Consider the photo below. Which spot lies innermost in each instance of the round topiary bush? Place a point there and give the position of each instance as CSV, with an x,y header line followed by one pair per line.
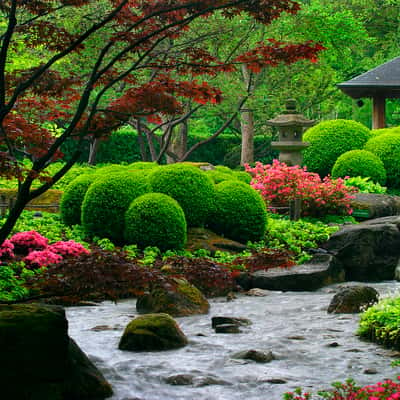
x,y
155,219
189,186
330,139
387,148
360,163
142,165
71,200
242,176
219,176
240,212
106,201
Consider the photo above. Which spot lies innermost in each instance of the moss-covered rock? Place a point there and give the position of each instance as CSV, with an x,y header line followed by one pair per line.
x,y
106,201
152,332
353,299
71,201
360,163
155,219
40,361
330,139
189,186
177,298
240,212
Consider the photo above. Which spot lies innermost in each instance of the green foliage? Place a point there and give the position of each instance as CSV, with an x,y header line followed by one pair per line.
x,y
364,185
240,212
107,200
242,176
330,139
387,148
155,219
360,163
71,201
297,236
218,176
189,186
11,284
380,323
140,165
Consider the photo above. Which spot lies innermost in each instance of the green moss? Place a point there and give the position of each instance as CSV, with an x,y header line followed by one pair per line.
x,y
360,163
106,201
71,201
142,165
190,187
387,148
330,139
155,219
240,212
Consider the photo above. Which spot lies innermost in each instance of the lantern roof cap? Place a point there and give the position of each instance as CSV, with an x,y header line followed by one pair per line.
x,y
290,117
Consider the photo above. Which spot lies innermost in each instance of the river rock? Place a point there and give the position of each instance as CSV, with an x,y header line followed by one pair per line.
x,y
322,269
227,328
256,292
215,321
152,332
376,205
255,355
180,380
40,361
178,299
353,299
368,251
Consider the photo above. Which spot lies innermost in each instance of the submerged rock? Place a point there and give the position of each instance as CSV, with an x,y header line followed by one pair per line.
x,y
39,359
152,332
353,299
255,355
179,299
215,321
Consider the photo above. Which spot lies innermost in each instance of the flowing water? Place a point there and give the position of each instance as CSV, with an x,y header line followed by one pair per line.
x,y
312,349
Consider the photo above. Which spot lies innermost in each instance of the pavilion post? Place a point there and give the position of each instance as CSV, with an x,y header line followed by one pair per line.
x,y
378,112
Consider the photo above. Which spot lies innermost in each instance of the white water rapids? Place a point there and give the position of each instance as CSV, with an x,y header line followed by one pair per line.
x,y
312,349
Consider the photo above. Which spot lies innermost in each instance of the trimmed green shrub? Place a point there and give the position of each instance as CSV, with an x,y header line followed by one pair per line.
x,y
330,139
106,201
242,176
155,219
71,201
189,186
360,163
218,176
365,185
111,169
240,212
387,148
142,165
224,169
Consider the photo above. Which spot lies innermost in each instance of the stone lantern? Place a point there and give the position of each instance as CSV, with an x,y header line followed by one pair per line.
x,y
290,126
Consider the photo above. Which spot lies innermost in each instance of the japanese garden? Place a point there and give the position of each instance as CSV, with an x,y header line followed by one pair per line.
x,y
199,199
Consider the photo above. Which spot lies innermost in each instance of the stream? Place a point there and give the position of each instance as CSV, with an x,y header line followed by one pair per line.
x,y
312,349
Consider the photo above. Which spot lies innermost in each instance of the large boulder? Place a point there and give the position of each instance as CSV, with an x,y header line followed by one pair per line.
x,y
177,298
375,205
368,251
39,360
152,332
321,270
353,299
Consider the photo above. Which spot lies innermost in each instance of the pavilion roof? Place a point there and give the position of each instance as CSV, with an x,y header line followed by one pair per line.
x,y
384,80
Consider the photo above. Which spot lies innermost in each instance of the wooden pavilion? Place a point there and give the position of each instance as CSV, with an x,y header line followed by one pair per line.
x,y
379,83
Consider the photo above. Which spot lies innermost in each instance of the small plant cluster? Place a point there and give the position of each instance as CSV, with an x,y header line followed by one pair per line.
x,y
279,183
380,323
365,185
386,390
36,251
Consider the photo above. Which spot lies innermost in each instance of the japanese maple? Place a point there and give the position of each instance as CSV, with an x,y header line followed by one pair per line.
x,y
126,73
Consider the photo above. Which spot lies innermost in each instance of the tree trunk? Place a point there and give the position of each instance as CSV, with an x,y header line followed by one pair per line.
x,y
178,144
247,123
247,127
94,146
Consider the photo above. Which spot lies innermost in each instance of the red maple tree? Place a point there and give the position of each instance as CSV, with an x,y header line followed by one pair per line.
x,y
129,35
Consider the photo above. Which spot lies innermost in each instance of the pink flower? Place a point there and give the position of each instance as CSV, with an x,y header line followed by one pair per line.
x,y
6,250
42,258
25,242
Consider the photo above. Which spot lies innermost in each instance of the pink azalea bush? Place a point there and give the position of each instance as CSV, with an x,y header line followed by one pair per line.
x,y
279,184
6,250
25,242
37,250
386,390
42,258
68,249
